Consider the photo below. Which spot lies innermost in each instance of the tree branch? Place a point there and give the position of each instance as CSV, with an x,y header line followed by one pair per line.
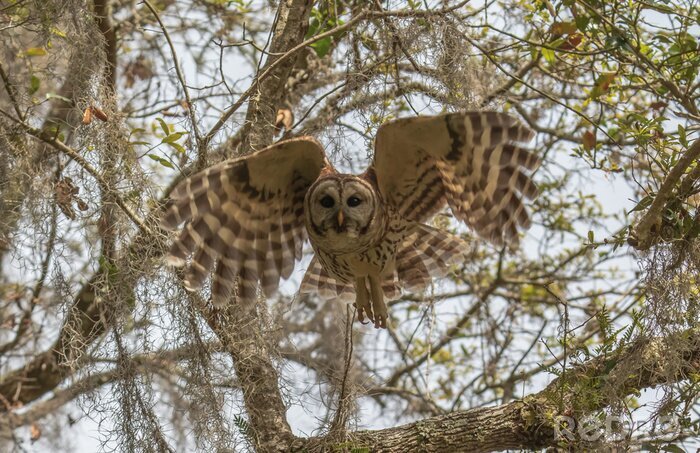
x,y
644,234
240,328
74,155
532,423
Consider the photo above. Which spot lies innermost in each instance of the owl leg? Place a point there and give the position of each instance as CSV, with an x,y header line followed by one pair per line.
x,y
378,305
362,301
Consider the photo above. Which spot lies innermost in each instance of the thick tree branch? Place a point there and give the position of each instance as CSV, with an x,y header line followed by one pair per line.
x,y
87,319
280,57
532,423
103,20
240,328
644,234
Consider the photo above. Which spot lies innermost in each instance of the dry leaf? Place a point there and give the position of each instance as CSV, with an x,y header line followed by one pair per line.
x,y
138,69
588,140
9,323
602,84
87,116
563,28
34,432
571,42
284,119
65,194
101,115
63,191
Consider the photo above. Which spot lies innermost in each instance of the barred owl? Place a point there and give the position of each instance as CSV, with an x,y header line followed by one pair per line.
x,y
249,216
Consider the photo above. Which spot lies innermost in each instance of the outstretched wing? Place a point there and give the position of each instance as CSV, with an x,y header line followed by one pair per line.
x,y
472,161
247,216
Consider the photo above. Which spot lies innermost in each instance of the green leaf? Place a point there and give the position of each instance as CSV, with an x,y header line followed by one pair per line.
x,y
34,84
643,204
164,126
108,265
136,130
321,47
160,160
682,138
321,22
313,25
602,84
172,138
58,96
590,236
177,147
242,425
58,32
556,43
582,22
548,55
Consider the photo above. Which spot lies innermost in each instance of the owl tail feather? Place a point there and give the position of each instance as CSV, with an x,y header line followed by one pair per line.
x,y
425,254
317,281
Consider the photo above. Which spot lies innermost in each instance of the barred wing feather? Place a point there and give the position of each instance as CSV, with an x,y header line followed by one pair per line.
x,y
246,216
472,161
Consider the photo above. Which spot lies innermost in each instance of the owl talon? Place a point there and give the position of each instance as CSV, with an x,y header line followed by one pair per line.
x,y
380,322
370,314
362,302
361,315
370,302
378,305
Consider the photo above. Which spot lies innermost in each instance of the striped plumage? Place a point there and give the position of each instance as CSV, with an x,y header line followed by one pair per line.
x,y
247,216
250,216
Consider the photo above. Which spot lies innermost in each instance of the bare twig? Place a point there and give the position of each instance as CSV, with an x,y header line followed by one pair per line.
x,y
364,14
339,422
201,148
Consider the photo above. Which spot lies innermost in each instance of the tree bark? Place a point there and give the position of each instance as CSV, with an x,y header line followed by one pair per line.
x,y
533,422
290,30
241,329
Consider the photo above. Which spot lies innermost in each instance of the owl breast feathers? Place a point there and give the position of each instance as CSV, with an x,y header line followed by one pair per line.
x,y
250,216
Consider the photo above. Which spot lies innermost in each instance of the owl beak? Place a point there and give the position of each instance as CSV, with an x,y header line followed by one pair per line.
x,y
341,218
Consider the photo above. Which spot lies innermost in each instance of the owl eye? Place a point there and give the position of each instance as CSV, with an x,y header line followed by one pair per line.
x,y
354,201
327,201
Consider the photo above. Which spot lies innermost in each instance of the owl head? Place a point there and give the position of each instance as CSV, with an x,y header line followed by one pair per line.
x,y
343,213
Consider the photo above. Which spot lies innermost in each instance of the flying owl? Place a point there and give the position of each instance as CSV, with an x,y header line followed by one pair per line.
x,y
249,217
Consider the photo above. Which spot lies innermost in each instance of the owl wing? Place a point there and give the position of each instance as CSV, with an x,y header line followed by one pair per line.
x,y
471,161
245,214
